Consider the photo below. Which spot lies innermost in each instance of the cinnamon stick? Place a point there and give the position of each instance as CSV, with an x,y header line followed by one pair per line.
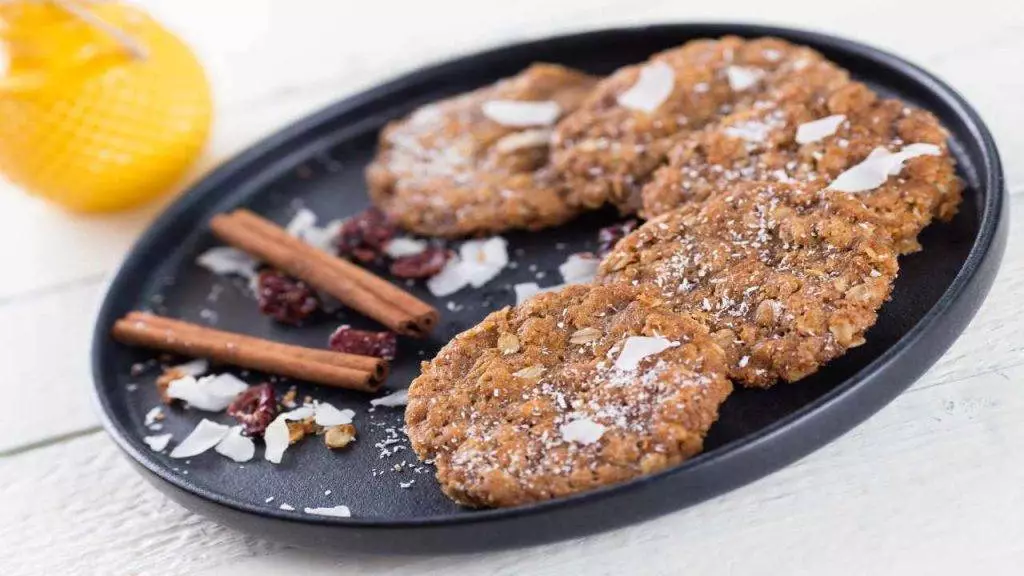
x,y
377,367
246,352
355,287
424,314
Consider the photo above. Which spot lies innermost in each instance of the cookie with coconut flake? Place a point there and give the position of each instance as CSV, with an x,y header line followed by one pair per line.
x,y
567,392
475,163
609,148
787,277
815,137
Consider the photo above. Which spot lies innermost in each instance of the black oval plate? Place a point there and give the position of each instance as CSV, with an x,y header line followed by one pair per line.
x,y
318,162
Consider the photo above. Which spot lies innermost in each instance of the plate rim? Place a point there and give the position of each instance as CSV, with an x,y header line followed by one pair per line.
x,y
988,244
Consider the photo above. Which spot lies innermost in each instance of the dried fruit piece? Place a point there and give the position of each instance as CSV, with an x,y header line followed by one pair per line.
x,y
423,265
508,343
609,235
339,436
255,409
284,298
364,235
298,429
351,341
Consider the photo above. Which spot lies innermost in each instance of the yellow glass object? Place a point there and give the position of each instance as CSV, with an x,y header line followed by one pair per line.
x,y
86,123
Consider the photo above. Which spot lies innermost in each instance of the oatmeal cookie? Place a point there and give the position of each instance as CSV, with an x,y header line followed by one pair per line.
x,y
786,277
606,151
475,164
569,391
813,138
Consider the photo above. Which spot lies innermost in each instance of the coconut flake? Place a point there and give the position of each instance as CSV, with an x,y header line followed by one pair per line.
x,y
526,290
482,260
235,446
449,280
582,431
742,77
404,246
204,436
749,131
327,415
521,113
325,238
878,166
275,439
818,129
400,398
196,367
157,443
335,511
286,507
211,393
303,221
225,260
300,413
636,348
155,414
652,88
526,139
303,226
579,269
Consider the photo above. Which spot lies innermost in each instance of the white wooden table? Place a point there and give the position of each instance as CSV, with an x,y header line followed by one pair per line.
x,y
932,484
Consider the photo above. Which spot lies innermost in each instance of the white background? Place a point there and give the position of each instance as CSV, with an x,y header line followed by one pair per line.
x,y
932,484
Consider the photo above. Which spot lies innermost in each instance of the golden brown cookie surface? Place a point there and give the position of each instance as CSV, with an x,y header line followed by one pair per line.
x,y
569,391
606,151
466,165
786,277
814,138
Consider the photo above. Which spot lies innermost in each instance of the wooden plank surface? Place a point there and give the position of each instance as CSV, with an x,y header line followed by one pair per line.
x,y
932,484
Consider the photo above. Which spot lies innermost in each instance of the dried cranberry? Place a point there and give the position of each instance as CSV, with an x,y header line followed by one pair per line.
x,y
422,265
351,341
254,409
284,298
364,235
609,235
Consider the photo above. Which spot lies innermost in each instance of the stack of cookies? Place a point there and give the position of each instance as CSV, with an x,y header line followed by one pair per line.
x,y
778,194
